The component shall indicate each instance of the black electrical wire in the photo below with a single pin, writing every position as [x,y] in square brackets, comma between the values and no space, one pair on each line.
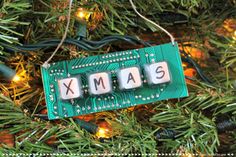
[165,134]
[88,126]
[226,125]
[94,45]
[223,126]
[83,43]
[189,60]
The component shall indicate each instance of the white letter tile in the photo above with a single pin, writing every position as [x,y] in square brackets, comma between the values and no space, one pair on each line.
[129,78]
[70,88]
[157,73]
[99,83]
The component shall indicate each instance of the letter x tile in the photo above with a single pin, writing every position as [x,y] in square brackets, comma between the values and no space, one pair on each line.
[70,88]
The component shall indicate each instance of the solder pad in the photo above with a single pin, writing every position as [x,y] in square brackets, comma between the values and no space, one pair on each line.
[58,108]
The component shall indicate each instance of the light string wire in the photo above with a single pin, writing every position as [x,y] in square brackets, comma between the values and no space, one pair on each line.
[45,64]
[94,45]
[155,24]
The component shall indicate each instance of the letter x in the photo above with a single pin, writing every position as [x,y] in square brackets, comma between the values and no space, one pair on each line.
[68,87]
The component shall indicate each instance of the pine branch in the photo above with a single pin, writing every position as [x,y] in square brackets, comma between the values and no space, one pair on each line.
[195,132]
[9,15]
[192,118]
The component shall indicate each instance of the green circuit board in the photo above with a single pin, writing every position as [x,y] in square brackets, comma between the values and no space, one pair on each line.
[117,98]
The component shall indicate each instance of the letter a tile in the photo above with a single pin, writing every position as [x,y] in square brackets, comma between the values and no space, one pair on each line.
[129,78]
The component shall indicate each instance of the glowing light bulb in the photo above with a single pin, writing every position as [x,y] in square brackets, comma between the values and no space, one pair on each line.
[102,133]
[16,78]
[189,155]
[234,35]
[80,14]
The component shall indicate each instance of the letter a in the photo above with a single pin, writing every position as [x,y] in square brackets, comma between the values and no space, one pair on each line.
[130,77]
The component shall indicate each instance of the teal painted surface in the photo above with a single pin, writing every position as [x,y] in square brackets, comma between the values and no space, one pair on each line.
[58,108]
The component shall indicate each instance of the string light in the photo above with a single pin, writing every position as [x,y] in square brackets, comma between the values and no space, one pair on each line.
[234,35]
[8,73]
[82,14]
[18,84]
[102,133]
[16,78]
[104,130]
[189,155]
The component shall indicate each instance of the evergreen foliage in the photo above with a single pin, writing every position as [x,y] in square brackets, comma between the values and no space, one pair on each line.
[193,120]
